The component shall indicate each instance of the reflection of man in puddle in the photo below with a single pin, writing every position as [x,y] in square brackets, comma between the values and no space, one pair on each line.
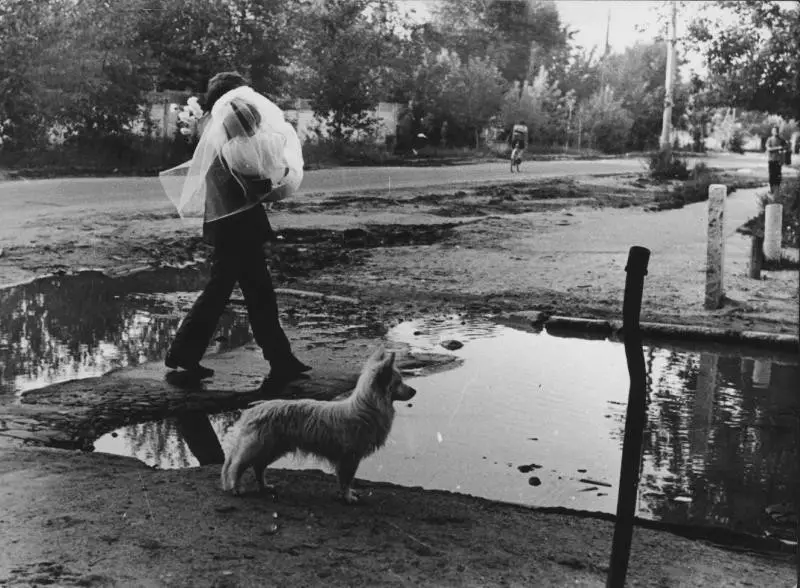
[236,224]
[196,430]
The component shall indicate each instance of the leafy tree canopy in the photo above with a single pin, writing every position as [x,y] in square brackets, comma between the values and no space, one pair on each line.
[754,62]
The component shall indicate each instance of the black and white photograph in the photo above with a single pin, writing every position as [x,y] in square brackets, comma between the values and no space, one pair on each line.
[394,293]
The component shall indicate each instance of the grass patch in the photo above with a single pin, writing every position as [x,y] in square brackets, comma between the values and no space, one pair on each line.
[782,264]
[695,188]
[666,166]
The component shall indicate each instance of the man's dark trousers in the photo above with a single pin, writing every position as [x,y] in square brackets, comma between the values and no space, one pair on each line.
[238,257]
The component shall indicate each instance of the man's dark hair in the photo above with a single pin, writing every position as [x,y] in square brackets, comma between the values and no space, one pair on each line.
[221,84]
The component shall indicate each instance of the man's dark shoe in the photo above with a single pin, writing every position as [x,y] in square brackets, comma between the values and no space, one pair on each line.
[289,368]
[194,368]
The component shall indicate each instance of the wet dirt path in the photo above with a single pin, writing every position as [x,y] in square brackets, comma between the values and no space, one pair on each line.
[457,249]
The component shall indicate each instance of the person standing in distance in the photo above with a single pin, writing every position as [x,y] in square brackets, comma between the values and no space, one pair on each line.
[775,157]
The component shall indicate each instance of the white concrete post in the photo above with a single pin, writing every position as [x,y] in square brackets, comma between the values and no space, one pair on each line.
[762,373]
[773,231]
[703,414]
[715,259]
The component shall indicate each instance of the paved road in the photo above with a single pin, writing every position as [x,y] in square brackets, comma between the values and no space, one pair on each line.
[80,198]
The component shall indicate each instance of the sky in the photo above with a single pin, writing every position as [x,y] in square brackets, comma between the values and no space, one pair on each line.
[630,21]
[589,18]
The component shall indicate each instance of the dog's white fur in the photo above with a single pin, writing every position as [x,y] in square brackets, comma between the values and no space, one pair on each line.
[343,432]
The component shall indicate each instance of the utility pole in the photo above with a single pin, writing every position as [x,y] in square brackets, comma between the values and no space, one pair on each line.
[606,51]
[666,125]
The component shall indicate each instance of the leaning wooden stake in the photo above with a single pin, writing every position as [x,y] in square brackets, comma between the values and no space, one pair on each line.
[756,256]
[638,258]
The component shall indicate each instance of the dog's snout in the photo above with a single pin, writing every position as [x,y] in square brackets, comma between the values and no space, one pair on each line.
[410,393]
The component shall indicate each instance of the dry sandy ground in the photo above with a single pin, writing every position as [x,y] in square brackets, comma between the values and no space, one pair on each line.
[75,519]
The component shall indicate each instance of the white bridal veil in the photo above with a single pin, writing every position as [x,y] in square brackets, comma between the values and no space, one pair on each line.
[246,139]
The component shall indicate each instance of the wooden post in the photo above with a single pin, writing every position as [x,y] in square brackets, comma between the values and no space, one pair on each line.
[797,436]
[756,257]
[715,260]
[635,417]
[773,231]
[703,413]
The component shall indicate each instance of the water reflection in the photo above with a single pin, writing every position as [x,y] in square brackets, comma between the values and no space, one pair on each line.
[188,440]
[720,445]
[62,328]
[725,449]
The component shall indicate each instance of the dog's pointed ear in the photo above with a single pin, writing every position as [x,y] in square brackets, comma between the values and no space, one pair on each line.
[378,356]
[386,367]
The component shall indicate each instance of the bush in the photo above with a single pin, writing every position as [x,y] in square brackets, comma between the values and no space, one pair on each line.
[119,153]
[791,212]
[667,166]
[608,123]
[695,188]
[326,151]
[736,142]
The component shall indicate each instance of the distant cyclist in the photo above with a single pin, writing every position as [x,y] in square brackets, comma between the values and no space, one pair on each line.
[516,157]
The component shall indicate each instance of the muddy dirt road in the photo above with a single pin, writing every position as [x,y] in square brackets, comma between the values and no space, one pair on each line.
[75,198]
[465,239]
[470,236]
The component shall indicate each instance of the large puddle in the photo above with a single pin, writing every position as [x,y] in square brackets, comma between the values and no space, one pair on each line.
[62,328]
[538,420]
[57,329]
[529,418]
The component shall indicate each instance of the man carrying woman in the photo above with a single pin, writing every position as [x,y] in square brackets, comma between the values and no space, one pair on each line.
[248,155]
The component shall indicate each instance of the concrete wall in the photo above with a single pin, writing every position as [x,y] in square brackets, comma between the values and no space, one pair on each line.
[165,116]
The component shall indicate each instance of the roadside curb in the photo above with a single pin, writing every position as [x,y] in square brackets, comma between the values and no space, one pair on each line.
[605,329]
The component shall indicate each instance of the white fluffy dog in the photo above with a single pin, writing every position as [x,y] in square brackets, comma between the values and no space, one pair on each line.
[343,432]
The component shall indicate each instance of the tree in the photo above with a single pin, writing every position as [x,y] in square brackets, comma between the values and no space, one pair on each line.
[26,30]
[637,77]
[73,63]
[510,33]
[579,74]
[341,66]
[463,27]
[473,91]
[538,104]
[97,72]
[530,36]
[463,96]
[184,40]
[188,41]
[606,121]
[753,63]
